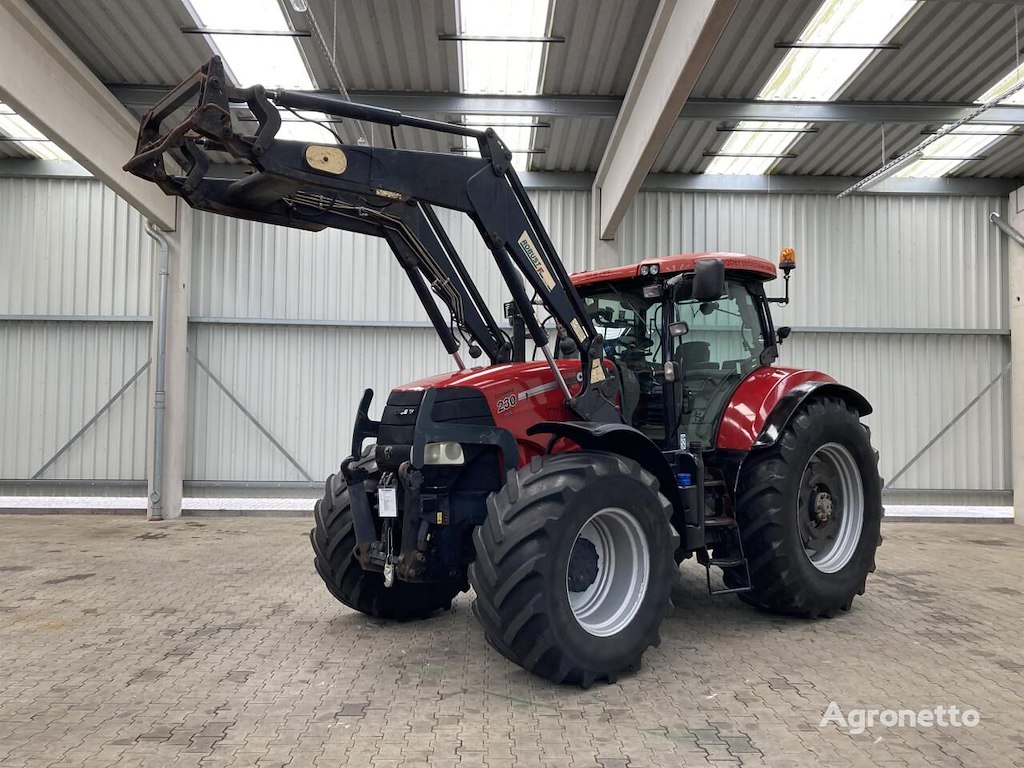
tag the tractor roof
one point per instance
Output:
(734, 262)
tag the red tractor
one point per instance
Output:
(565, 491)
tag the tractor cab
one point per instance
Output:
(683, 332)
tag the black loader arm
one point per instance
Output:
(387, 193)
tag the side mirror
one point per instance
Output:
(678, 329)
(708, 279)
(783, 333)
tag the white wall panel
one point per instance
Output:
(54, 377)
(303, 384)
(917, 383)
(870, 260)
(71, 247)
(245, 270)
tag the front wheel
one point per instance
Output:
(574, 566)
(809, 514)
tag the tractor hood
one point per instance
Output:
(518, 396)
(512, 378)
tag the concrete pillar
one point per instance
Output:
(176, 405)
(1016, 285)
(48, 85)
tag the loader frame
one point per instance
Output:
(389, 193)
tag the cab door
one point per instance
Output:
(724, 341)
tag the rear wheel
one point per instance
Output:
(809, 514)
(333, 538)
(574, 566)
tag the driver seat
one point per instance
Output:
(694, 355)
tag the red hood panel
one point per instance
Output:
(514, 377)
(519, 396)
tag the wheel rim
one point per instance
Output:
(830, 508)
(608, 572)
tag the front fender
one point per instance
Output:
(634, 444)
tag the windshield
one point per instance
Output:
(631, 325)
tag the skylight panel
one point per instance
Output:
(950, 151)
(811, 74)
(498, 67)
(271, 61)
(1004, 84)
(818, 74)
(14, 126)
(755, 147)
(503, 68)
(953, 150)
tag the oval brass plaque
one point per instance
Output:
(327, 159)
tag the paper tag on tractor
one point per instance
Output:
(387, 502)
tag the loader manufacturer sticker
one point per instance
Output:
(535, 259)
(326, 159)
(577, 328)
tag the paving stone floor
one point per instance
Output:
(211, 642)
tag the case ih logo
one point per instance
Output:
(538, 263)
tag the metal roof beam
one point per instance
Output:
(142, 97)
(826, 185)
(655, 182)
(847, 112)
(42, 169)
(48, 85)
(682, 37)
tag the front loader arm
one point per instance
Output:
(388, 193)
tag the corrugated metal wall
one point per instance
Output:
(75, 290)
(901, 297)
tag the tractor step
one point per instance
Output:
(734, 591)
(719, 522)
(705, 559)
(728, 563)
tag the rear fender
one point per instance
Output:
(625, 441)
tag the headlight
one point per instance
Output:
(644, 270)
(654, 269)
(443, 453)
